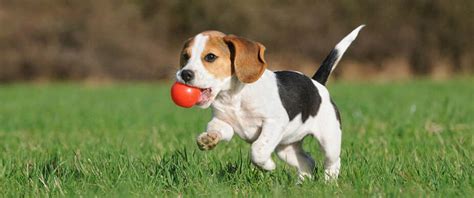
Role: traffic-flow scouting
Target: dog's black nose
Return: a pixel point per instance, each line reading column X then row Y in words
column 187, row 75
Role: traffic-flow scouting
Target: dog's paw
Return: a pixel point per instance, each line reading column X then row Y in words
column 208, row 140
column 269, row 165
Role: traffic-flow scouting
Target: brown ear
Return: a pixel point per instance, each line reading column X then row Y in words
column 247, row 58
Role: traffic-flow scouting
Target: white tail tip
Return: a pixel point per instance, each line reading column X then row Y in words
column 346, row 41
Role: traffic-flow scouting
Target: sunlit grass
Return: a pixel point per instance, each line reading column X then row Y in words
column 413, row 138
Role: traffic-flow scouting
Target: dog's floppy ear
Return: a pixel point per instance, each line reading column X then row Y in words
column 247, row 58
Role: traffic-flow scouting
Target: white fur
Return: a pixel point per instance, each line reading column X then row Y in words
column 202, row 77
column 344, row 44
column 255, row 113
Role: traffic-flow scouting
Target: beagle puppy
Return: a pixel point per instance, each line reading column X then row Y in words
column 273, row 111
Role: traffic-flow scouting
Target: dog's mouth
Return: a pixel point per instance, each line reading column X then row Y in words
column 206, row 96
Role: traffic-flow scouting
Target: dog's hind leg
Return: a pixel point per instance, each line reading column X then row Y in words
column 330, row 142
column 294, row 155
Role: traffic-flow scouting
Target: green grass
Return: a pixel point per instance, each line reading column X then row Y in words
column 400, row 139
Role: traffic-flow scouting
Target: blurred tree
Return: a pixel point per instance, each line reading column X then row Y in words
column 140, row 39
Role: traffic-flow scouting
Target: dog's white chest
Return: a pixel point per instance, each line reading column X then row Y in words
column 242, row 120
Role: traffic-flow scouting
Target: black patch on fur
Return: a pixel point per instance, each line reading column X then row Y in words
column 338, row 115
column 324, row 70
column 298, row 94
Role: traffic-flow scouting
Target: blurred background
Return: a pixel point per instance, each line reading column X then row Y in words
column 113, row 40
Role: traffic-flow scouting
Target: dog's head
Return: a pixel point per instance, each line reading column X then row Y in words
column 210, row 60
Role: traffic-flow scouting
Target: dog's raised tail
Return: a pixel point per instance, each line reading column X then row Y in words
column 330, row 62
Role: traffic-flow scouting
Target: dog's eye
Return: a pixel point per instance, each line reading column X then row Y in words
column 210, row 57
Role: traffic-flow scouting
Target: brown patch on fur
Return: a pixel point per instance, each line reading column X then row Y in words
column 186, row 51
column 247, row 57
column 213, row 33
column 222, row 66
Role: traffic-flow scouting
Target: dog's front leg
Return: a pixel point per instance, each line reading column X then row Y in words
column 216, row 130
column 266, row 143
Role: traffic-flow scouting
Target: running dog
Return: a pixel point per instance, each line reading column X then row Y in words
column 273, row 111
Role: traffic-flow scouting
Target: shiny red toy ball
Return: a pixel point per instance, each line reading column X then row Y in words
column 185, row 96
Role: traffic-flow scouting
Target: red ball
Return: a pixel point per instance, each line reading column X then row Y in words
column 185, row 96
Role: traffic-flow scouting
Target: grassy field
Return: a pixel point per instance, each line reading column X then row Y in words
column 413, row 138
